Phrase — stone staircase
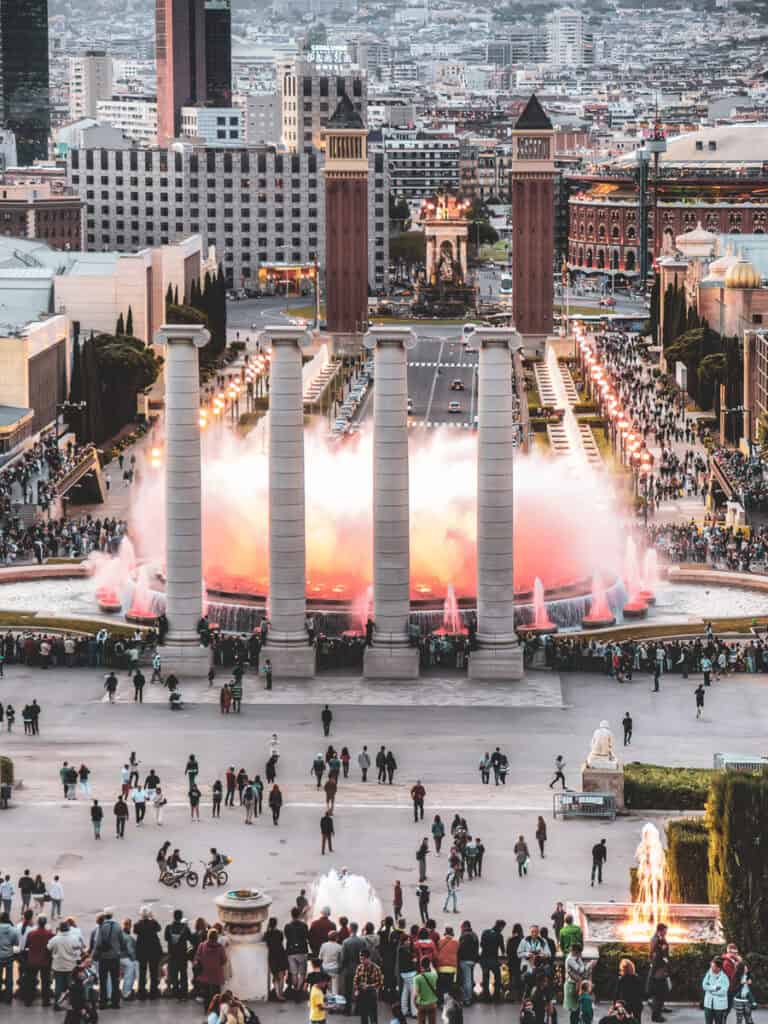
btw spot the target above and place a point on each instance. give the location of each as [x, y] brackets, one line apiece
[544, 384]
[570, 388]
[559, 443]
[317, 385]
[592, 452]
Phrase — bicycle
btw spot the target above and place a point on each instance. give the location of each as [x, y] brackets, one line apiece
[173, 877]
[213, 875]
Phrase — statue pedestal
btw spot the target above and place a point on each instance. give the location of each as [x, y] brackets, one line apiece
[604, 779]
[243, 913]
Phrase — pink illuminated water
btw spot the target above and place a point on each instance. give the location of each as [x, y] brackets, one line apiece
[564, 523]
[451, 615]
[143, 596]
[632, 578]
[541, 619]
[599, 609]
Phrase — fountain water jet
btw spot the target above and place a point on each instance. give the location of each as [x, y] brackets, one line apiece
[636, 607]
[542, 623]
[346, 894]
[600, 613]
[451, 615]
[650, 576]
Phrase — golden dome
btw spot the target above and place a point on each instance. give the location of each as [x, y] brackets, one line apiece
[743, 274]
[721, 266]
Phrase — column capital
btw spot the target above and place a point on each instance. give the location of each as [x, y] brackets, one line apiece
[389, 336]
[506, 337]
[182, 334]
[289, 334]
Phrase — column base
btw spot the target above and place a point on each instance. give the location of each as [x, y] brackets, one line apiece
[288, 661]
[391, 663]
[496, 664]
[184, 659]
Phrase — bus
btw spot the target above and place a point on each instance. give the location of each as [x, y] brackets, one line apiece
[506, 284]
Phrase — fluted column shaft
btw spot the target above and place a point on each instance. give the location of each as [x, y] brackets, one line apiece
[495, 495]
[287, 525]
[183, 539]
[391, 523]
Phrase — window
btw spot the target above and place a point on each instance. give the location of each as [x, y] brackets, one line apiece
[75, 159]
[324, 87]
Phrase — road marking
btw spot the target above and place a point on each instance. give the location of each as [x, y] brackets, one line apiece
[434, 381]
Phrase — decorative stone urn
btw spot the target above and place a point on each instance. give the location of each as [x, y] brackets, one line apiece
[243, 913]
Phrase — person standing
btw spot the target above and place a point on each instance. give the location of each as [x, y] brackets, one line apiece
[128, 961]
[366, 985]
[194, 802]
[418, 792]
[451, 892]
[397, 900]
[422, 894]
[97, 816]
[327, 832]
[468, 955]
[391, 765]
[706, 668]
[699, 695]
[541, 834]
[317, 999]
[599, 857]
[230, 777]
[56, 894]
[485, 768]
[381, 765]
[275, 803]
[120, 811]
[37, 962]
[326, 717]
[296, 935]
[268, 677]
[715, 985]
[149, 952]
[138, 686]
[630, 989]
[438, 833]
[178, 939]
[109, 947]
[158, 802]
[66, 949]
[425, 993]
[248, 802]
[491, 947]
[559, 772]
[351, 949]
[330, 788]
[364, 762]
[656, 676]
[576, 971]
[627, 724]
[139, 797]
[421, 859]
[658, 970]
[216, 794]
[522, 856]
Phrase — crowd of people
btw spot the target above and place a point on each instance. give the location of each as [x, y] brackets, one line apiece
[70, 649]
[708, 655]
[746, 474]
[722, 547]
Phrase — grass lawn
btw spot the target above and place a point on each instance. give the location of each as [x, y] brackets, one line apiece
[541, 442]
[496, 252]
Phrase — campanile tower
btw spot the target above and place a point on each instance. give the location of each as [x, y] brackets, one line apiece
[533, 222]
[346, 220]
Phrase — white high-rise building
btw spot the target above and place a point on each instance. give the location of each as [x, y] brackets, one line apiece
[569, 44]
[90, 80]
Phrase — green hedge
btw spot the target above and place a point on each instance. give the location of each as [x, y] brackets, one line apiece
[6, 770]
[688, 965]
[653, 787]
[688, 860]
[737, 816]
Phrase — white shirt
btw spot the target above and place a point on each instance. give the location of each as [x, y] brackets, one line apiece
[56, 891]
[139, 795]
[125, 774]
[7, 891]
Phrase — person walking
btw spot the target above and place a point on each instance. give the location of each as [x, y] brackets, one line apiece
[397, 899]
[216, 793]
[194, 802]
[327, 832]
[485, 768]
[658, 972]
[391, 766]
[627, 724]
[364, 763]
[97, 816]
[715, 985]
[318, 768]
[275, 803]
[158, 803]
[438, 833]
[249, 798]
[423, 894]
[138, 686]
[139, 798]
[599, 857]
[326, 717]
[421, 858]
[559, 772]
[381, 765]
[451, 892]
[330, 788]
[418, 792]
[541, 834]
[120, 811]
[522, 856]
[699, 695]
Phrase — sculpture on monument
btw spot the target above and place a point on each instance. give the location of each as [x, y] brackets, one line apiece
[602, 753]
[446, 290]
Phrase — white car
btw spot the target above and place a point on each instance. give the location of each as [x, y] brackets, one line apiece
[454, 407]
[467, 331]
[410, 405]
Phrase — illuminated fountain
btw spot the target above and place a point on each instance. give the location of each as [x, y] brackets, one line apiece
[347, 895]
[650, 579]
[637, 605]
[451, 615]
[145, 603]
[600, 613]
[541, 623]
[636, 922]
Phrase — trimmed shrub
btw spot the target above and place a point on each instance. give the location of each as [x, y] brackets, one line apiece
[759, 964]
[687, 963]
[688, 860]
[737, 814]
[653, 787]
[6, 770]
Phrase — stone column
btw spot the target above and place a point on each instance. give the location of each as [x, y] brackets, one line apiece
[182, 653]
[287, 643]
[499, 655]
[390, 657]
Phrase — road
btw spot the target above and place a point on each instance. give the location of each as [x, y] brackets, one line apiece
[433, 365]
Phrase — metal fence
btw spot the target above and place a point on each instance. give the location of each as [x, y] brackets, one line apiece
[583, 805]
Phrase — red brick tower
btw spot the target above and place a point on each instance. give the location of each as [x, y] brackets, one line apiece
[346, 220]
[533, 221]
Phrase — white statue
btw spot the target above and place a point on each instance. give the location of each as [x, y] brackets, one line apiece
[602, 754]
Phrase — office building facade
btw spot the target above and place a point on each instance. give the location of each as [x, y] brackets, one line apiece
[255, 205]
[309, 94]
[24, 76]
[90, 80]
[180, 58]
[218, 52]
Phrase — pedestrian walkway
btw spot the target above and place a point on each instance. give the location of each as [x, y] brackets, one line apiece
[448, 366]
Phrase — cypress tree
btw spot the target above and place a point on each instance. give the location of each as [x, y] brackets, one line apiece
[176, 296]
[120, 327]
[129, 323]
[168, 298]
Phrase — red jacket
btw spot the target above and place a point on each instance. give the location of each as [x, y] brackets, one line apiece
[37, 947]
[211, 956]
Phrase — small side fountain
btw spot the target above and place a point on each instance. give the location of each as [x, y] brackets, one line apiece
[346, 894]
[600, 614]
[141, 611]
[636, 607]
[452, 623]
[243, 913]
[603, 923]
[542, 624]
[650, 576]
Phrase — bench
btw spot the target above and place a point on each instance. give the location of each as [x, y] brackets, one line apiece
[583, 805]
